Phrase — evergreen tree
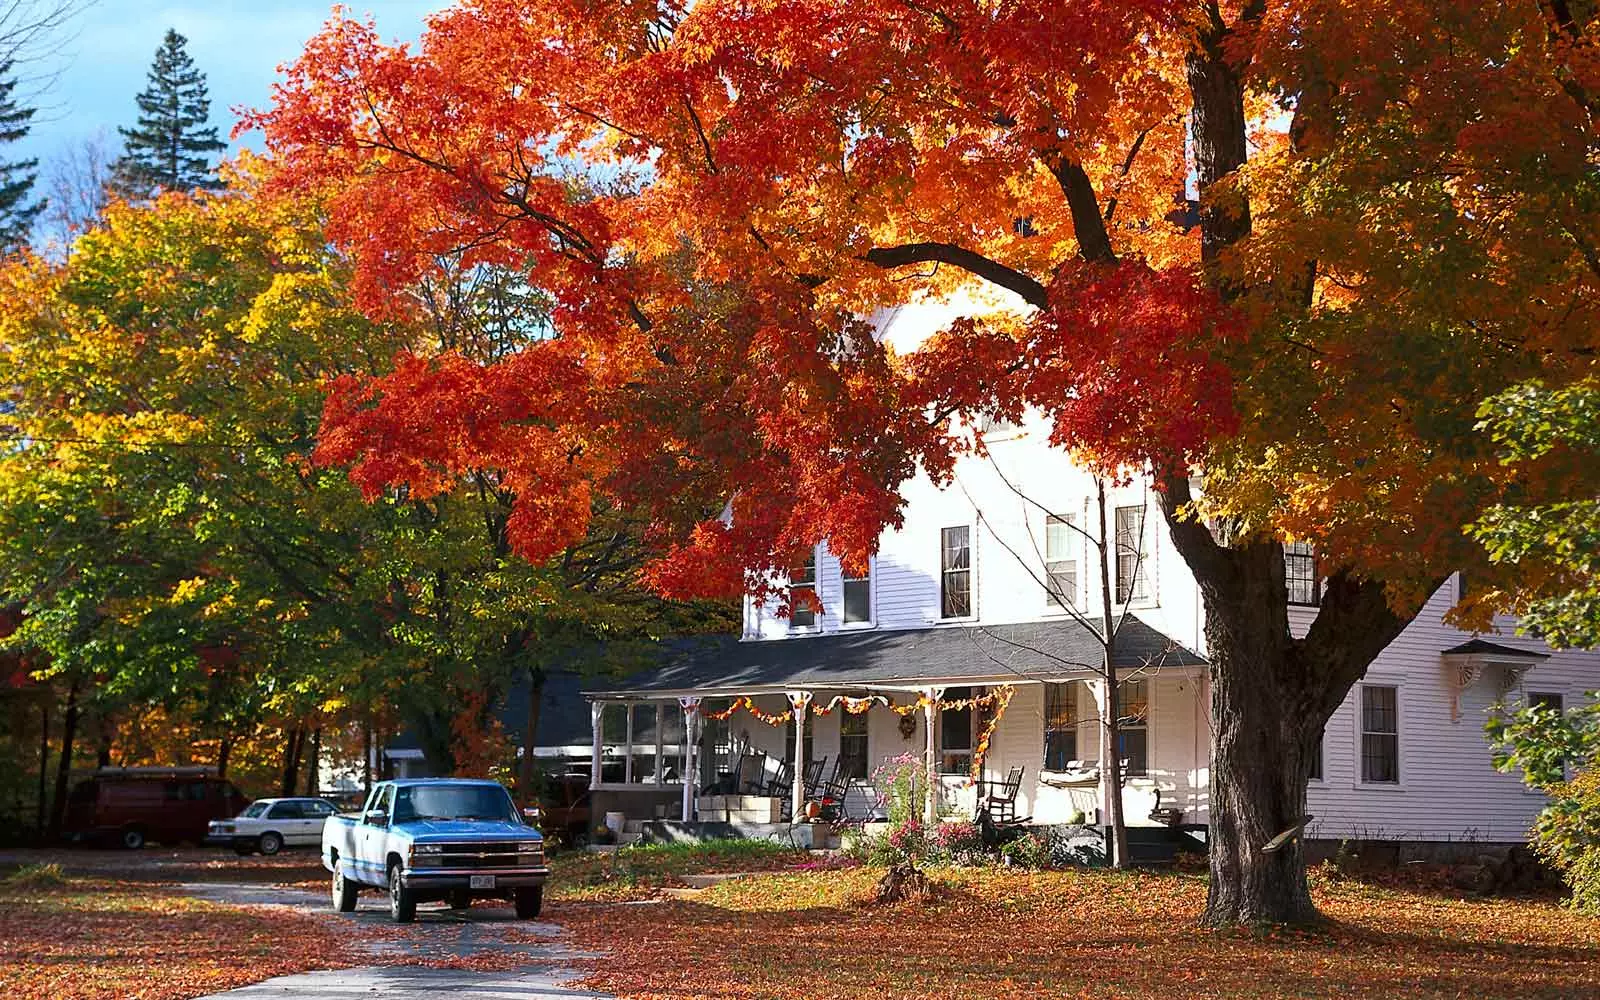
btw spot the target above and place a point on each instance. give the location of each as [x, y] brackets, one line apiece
[17, 210]
[170, 148]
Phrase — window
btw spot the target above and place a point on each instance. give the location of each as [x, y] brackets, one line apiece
[853, 745]
[1060, 726]
[317, 810]
[803, 593]
[1550, 701]
[955, 734]
[1133, 727]
[1380, 735]
[1314, 772]
[287, 810]
[1060, 561]
[857, 597]
[1461, 587]
[1300, 574]
[955, 573]
[1130, 555]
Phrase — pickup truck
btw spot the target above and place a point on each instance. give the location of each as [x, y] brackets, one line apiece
[426, 839]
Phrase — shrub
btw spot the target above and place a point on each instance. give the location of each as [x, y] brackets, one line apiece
[46, 876]
[960, 842]
[1026, 851]
[902, 787]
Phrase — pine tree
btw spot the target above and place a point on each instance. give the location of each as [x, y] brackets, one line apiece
[170, 148]
[17, 177]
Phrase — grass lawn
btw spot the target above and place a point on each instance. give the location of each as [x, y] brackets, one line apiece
[995, 933]
[636, 872]
[94, 938]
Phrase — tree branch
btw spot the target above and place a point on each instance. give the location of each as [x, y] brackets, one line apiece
[1031, 291]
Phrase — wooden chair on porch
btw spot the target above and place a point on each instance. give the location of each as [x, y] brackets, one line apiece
[781, 784]
[836, 794]
[751, 776]
[812, 786]
[1001, 801]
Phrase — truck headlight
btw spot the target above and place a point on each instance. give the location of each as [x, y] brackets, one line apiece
[427, 848]
[530, 847]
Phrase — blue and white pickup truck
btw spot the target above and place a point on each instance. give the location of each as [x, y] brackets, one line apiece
[426, 839]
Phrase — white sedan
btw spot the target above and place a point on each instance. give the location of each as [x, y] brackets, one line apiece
[270, 825]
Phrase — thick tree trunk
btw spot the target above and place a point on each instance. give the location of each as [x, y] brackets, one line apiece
[313, 762]
[530, 735]
[366, 755]
[224, 751]
[69, 732]
[291, 760]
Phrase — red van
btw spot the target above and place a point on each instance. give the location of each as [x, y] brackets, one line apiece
[132, 805]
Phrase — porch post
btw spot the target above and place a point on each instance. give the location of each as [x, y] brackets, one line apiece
[799, 702]
[1097, 688]
[595, 710]
[691, 714]
[661, 717]
[627, 756]
[930, 808]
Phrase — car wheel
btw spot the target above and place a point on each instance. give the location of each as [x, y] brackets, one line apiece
[133, 838]
[459, 900]
[402, 904]
[270, 843]
[529, 902]
[344, 891]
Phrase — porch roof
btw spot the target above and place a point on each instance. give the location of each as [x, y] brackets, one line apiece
[1036, 651]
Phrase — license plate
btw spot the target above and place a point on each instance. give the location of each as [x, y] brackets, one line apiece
[480, 881]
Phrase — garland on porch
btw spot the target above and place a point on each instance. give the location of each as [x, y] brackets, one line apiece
[1002, 697]
[855, 706]
[749, 705]
[999, 698]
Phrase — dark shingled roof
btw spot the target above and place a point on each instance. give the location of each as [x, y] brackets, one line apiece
[1482, 647]
[1030, 651]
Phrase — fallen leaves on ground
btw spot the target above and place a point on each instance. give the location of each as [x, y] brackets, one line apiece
[998, 934]
[101, 939]
[637, 873]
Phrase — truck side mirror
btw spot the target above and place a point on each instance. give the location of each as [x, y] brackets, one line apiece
[375, 817]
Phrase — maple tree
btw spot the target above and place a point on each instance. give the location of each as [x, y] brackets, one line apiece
[1395, 218]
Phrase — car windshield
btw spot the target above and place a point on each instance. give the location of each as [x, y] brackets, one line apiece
[255, 809]
[469, 802]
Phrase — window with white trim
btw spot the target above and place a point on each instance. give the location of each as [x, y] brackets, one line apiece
[1380, 734]
[1133, 727]
[803, 593]
[1131, 575]
[857, 597]
[955, 733]
[1061, 560]
[955, 572]
[1060, 726]
[853, 744]
[1314, 772]
[1300, 574]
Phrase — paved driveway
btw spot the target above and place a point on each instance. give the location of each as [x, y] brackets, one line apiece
[439, 933]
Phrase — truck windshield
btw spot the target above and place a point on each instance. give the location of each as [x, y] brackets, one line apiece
[482, 802]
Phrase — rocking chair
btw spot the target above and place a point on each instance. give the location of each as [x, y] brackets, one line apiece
[1001, 802]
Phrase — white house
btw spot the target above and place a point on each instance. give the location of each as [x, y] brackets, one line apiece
[966, 600]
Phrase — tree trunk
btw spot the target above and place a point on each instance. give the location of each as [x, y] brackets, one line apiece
[1113, 705]
[69, 732]
[530, 733]
[291, 760]
[44, 765]
[224, 751]
[313, 776]
[437, 740]
[366, 754]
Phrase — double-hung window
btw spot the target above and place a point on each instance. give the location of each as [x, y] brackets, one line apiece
[1300, 574]
[803, 593]
[1060, 561]
[1060, 726]
[1133, 727]
[955, 572]
[853, 745]
[857, 598]
[1380, 734]
[955, 734]
[1131, 574]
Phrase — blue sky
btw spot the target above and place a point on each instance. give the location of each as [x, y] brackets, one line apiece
[238, 44]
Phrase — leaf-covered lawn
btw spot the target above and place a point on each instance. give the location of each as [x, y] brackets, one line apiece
[636, 872]
[98, 940]
[1073, 934]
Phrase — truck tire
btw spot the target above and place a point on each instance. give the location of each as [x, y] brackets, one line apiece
[270, 843]
[132, 838]
[529, 902]
[344, 891]
[402, 904]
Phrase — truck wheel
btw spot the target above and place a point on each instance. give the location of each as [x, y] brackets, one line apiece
[270, 843]
[344, 891]
[402, 904]
[529, 902]
[133, 838]
[459, 900]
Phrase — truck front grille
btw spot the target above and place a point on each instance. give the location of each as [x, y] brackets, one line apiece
[486, 855]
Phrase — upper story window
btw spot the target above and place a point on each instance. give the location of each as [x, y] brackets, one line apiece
[1380, 734]
[857, 598]
[803, 593]
[1300, 574]
[1060, 560]
[955, 572]
[1131, 577]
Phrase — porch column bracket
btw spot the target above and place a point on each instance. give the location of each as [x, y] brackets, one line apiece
[597, 752]
[930, 807]
[691, 770]
[799, 702]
